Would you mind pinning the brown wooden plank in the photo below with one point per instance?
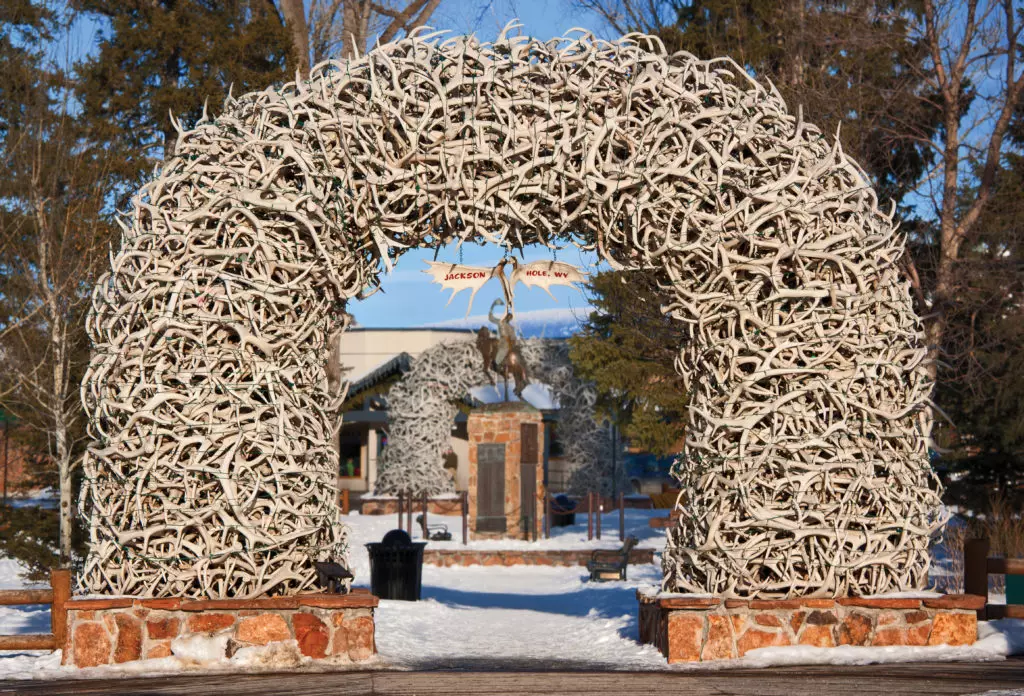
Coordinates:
(1005, 611)
(1006, 566)
(490, 488)
(60, 581)
(12, 597)
(871, 680)
(28, 641)
(529, 456)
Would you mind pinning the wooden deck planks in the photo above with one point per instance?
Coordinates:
(888, 680)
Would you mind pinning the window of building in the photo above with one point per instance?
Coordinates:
(350, 451)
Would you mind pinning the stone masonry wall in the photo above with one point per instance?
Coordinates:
(540, 557)
(389, 506)
(109, 631)
(499, 424)
(688, 629)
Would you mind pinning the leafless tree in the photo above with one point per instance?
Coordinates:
(975, 52)
(344, 28)
(55, 235)
(624, 16)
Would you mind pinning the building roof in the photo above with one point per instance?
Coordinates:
(389, 368)
(440, 329)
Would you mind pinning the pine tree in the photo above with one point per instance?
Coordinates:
(628, 347)
(168, 57)
(848, 63)
(982, 390)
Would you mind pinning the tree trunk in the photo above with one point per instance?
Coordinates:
(58, 386)
(295, 19)
(66, 508)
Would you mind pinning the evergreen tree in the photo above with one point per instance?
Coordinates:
(54, 230)
(852, 63)
(25, 27)
(162, 57)
(628, 347)
(982, 390)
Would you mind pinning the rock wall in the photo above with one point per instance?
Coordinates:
(339, 628)
(691, 629)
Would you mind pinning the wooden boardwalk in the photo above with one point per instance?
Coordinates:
(890, 680)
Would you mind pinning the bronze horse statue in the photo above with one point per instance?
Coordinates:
(502, 354)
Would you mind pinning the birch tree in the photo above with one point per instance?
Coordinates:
(54, 234)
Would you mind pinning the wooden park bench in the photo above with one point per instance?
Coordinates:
(611, 565)
(434, 532)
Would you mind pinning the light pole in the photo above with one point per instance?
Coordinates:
(5, 417)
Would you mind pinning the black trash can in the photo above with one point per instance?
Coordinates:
(396, 566)
(563, 511)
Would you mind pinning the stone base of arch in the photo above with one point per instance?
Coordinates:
(704, 628)
(335, 628)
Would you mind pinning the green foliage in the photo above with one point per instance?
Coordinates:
(628, 348)
(848, 62)
(25, 27)
(169, 57)
(981, 383)
(29, 535)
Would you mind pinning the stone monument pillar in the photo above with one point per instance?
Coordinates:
(506, 471)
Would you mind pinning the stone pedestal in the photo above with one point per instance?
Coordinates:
(506, 451)
(691, 629)
(336, 628)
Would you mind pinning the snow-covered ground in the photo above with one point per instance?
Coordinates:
(525, 617)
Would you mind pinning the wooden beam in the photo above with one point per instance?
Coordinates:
(11, 597)
(1005, 611)
(28, 641)
(60, 581)
(1005, 566)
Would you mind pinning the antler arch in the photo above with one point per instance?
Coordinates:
(422, 406)
(211, 472)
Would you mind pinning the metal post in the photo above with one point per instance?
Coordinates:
(425, 506)
(615, 474)
(600, 512)
(547, 515)
(590, 515)
(7, 425)
(622, 516)
(408, 517)
(976, 570)
(465, 517)
(400, 509)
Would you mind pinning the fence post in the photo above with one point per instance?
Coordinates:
(344, 501)
(408, 516)
(60, 583)
(547, 515)
(976, 570)
(465, 517)
(622, 516)
(425, 505)
(590, 515)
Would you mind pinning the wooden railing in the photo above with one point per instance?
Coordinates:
(593, 505)
(407, 503)
(978, 566)
(58, 594)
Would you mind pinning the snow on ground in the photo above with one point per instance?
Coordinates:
(520, 617)
(365, 528)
